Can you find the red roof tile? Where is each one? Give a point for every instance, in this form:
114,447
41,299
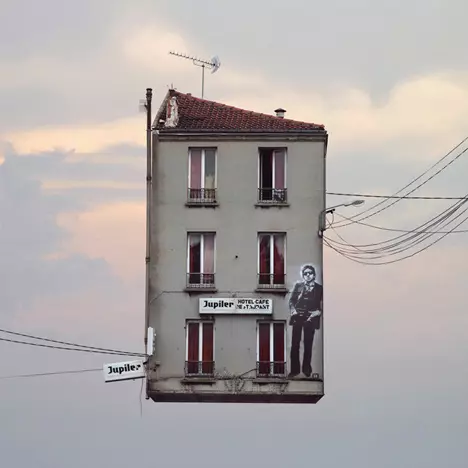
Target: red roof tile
197,114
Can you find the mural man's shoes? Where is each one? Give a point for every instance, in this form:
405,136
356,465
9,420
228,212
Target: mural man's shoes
291,375
308,373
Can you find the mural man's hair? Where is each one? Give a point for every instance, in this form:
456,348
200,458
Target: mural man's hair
308,267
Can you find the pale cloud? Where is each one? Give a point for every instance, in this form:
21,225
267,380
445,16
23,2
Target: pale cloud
114,232
423,117
81,138
59,185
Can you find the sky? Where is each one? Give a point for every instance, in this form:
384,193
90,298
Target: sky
389,81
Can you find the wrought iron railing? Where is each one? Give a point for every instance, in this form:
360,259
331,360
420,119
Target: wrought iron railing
271,369
272,195
274,281
200,280
201,195
199,368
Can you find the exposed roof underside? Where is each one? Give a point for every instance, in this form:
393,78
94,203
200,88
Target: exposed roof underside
199,115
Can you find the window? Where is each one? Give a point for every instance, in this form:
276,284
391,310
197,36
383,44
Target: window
271,349
201,260
272,176
202,175
271,255
199,354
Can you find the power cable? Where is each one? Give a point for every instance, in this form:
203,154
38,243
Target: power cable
411,183
425,228
381,228
114,351
398,247
368,195
42,374
93,351
396,260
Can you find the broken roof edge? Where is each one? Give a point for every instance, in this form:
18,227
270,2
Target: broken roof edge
161,109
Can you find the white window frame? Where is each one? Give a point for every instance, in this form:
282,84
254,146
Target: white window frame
272,343
272,250
202,182
202,250
200,338
273,174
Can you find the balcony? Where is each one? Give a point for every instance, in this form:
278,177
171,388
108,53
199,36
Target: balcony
267,369
201,196
199,368
276,281
200,281
272,196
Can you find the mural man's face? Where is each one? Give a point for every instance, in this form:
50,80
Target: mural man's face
308,276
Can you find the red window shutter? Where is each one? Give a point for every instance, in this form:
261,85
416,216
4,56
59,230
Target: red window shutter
264,260
264,348
278,347
194,258
193,339
207,348
278,260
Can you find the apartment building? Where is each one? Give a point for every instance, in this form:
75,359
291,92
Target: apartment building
235,282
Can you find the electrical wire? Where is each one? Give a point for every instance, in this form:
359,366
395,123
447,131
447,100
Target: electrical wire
368,195
427,227
93,351
411,183
34,337
397,247
43,374
381,228
350,257
408,240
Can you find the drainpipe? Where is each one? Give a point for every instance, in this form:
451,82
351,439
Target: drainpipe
149,94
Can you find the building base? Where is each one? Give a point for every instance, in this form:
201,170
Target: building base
165,397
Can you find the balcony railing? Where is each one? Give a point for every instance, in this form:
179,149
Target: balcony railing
272,195
201,195
271,369
274,281
199,368
200,280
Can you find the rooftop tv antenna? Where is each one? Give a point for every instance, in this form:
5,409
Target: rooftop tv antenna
213,65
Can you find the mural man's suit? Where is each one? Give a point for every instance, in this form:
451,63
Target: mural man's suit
305,304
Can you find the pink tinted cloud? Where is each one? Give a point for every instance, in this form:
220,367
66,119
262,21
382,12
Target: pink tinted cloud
114,232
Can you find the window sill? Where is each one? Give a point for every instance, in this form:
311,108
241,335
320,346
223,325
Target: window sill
261,204
198,380
284,290
203,204
199,290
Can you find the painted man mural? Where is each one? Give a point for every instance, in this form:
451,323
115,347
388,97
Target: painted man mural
305,304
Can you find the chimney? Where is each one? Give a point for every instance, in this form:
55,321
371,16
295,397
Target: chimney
280,113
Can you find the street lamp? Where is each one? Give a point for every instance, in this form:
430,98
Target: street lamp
323,214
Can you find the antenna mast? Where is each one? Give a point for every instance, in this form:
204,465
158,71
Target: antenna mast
213,65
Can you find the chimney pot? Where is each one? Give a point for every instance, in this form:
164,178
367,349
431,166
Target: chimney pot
280,113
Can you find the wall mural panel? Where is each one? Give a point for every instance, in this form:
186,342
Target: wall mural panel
305,321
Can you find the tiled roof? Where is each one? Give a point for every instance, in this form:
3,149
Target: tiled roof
195,114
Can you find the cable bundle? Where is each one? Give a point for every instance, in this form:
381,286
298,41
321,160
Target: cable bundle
437,227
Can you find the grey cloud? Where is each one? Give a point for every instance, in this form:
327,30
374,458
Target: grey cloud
302,45
29,233
70,166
